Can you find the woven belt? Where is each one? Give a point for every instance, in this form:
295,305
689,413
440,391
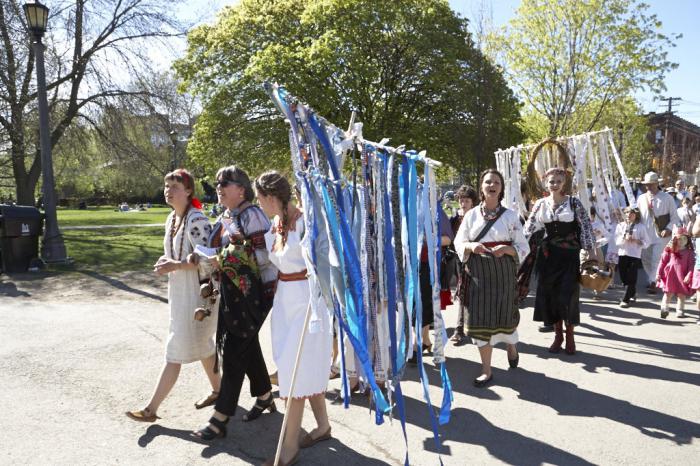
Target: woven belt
292,277
491,244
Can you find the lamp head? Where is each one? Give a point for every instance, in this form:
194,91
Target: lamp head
37,17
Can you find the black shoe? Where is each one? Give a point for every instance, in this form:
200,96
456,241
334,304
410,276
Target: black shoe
483,382
545,328
259,408
207,433
339,396
413,360
513,363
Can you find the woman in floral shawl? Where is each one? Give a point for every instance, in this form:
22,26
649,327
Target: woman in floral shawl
246,284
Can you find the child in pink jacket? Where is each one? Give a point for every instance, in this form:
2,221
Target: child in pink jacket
675,271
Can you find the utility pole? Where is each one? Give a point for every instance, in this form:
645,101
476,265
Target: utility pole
668,118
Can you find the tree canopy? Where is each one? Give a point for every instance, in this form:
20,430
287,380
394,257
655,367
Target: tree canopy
408,68
572,59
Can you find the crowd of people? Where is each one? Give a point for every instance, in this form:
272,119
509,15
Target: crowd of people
253,259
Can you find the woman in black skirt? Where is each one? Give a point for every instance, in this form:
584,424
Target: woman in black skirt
567,231
490,244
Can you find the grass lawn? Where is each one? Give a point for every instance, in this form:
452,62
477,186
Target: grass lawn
108,216
114,250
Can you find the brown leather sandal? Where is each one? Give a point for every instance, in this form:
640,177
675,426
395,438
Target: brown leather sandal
208,401
308,441
142,415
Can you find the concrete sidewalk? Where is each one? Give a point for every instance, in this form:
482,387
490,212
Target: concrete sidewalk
76,357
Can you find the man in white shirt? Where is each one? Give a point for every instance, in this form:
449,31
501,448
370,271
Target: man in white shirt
656,204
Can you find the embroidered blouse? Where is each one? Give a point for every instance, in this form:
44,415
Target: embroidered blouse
506,228
545,212
255,224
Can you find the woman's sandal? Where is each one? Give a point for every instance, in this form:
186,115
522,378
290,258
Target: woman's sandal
309,441
207,433
142,415
259,408
207,401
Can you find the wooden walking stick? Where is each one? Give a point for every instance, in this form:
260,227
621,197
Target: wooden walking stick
294,378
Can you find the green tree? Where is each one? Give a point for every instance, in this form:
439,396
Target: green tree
572,59
407,67
89,47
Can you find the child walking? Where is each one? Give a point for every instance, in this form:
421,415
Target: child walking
676,270
631,237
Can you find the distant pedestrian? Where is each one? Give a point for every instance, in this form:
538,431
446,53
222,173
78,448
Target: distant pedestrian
468,199
659,214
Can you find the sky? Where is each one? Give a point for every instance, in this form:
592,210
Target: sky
677,16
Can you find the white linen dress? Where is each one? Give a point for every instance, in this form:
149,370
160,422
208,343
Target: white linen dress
287,322
188,340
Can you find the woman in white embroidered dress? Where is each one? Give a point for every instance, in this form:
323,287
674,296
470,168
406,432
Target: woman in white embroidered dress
189,340
292,297
490,244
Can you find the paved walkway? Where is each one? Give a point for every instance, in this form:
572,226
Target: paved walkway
74,357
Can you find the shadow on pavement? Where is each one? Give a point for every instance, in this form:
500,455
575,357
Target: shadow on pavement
660,348
565,397
120,285
10,290
257,441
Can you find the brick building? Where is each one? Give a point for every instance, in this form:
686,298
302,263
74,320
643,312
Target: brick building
682,149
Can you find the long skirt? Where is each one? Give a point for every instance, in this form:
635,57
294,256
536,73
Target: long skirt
492,298
558,288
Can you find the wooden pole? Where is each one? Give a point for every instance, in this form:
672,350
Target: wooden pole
294,378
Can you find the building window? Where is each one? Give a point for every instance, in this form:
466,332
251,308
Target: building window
659,136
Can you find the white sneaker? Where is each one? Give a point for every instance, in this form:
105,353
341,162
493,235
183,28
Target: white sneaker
624,305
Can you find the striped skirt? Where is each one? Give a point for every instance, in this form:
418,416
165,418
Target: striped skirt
491,296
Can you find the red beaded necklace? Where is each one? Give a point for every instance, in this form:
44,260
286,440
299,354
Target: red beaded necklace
173,233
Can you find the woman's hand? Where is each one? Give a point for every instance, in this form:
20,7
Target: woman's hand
214,262
164,266
193,258
503,249
478,248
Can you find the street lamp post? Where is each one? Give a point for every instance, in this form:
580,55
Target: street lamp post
173,138
52,248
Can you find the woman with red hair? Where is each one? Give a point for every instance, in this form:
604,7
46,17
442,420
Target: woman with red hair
189,340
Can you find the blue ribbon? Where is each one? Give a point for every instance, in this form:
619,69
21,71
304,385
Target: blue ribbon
351,290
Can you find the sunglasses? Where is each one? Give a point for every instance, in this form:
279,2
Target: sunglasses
224,183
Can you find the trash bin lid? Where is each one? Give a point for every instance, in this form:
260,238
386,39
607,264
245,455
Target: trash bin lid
20,220
19,212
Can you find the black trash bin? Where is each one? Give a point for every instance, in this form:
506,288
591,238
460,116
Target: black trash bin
20,228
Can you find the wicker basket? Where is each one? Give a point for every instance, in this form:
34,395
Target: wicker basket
533,183
592,279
